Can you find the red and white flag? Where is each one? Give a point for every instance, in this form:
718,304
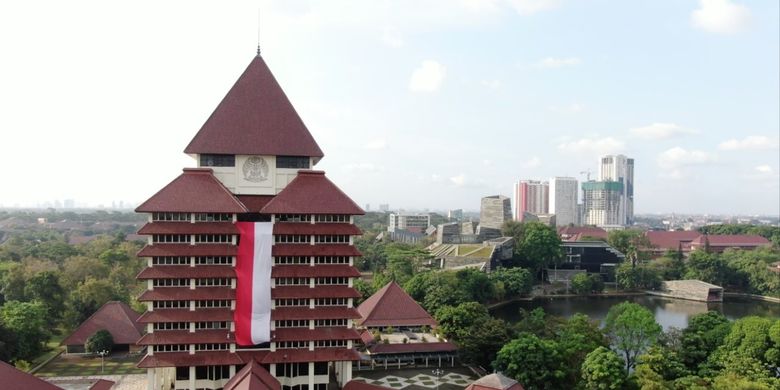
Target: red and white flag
253,289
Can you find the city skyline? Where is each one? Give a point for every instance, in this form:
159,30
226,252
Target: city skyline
691,96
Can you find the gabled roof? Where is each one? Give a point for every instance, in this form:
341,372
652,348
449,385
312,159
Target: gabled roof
12,376
495,381
731,240
255,117
575,233
253,377
115,317
196,190
670,240
310,192
392,306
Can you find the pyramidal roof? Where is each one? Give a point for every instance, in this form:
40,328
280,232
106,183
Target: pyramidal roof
255,117
196,190
310,192
392,306
253,377
495,381
115,317
22,380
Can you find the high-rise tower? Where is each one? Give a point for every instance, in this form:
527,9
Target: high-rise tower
254,157
563,200
531,196
619,168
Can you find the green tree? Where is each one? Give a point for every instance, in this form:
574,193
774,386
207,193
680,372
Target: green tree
708,267
534,362
658,368
365,290
603,369
537,246
456,321
476,284
632,328
577,337
749,350
632,243
516,281
479,343
29,324
45,287
582,284
641,277
705,332
101,340
88,297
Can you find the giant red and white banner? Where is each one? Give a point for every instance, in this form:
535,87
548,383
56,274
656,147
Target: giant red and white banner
253,289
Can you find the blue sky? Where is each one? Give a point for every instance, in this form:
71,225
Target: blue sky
419,104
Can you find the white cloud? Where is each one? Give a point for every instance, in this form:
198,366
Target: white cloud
753,142
657,131
491,84
377,144
674,161
487,163
428,77
459,180
766,169
720,16
530,7
391,37
597,146
554,63
534,162
360,167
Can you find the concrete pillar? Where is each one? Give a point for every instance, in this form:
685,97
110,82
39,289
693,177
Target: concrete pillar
311,375
192,377
150,379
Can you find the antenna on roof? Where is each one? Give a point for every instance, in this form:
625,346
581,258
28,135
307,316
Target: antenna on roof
258,31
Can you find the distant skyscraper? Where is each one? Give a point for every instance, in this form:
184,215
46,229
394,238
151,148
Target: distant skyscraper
531,196
384,207
601,203
455,215
620,168
493,212
368,207
563,200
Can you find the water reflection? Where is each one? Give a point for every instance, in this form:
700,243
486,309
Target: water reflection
668,312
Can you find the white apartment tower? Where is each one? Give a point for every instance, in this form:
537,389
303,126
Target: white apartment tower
619,168
563,200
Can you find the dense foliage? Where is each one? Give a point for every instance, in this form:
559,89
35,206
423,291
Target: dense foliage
537,246
99,342
771,233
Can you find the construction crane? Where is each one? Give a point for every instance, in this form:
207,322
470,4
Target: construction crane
587,173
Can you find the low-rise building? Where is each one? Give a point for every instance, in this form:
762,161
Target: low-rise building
416,223
115,317
718,243
495,381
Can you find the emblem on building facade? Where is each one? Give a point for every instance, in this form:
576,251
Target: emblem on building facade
255,169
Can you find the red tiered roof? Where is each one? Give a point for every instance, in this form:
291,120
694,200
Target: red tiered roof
188,228
281,292
194,191
314,250
318,313
187,294
252,377
115,317
186,271
329,333
22,380
185,315
731,240
310,192
254,203
188,250
255,117
304,355
185,359
392,306
319,270
162,337
315,229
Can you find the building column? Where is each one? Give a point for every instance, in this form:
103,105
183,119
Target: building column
150,379
192,377
311,375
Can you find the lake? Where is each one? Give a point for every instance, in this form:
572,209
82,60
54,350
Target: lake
668,312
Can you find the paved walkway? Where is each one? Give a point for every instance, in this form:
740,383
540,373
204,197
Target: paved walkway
422,380
123,382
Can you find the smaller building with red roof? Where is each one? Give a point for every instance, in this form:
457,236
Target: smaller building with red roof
18,379
718,243
115,317
663,241
495,381
578,233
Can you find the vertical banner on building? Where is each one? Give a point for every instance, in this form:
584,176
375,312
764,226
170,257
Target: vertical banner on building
253,290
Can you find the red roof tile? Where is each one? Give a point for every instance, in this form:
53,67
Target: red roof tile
10,375
663,240
115,317
315,229
575,233
314,250
254,203
318,313
412,348
304,355
495,381
185,359
188,250
186,315
308,271
731,240
185,271
102,384
392,306
310,192
252,377
329,333
187,294
194,191
280,292
188,228
255,117
358,385
163,337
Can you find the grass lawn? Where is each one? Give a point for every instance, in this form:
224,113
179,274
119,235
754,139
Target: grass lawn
87,365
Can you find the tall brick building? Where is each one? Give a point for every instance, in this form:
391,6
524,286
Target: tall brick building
254,157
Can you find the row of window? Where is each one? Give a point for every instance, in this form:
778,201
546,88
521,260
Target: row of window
305,302
186,347
326,218
215,303
186,325
317,281
187,217
305,344
204,372
185,260
229,160
292,370
305,323
306,239
184,282
199,238
279,260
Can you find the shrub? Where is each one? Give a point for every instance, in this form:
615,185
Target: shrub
100,341
582,284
